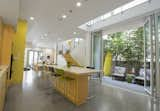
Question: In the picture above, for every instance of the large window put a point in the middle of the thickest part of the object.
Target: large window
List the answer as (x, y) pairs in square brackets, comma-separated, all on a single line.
[(127, 48)]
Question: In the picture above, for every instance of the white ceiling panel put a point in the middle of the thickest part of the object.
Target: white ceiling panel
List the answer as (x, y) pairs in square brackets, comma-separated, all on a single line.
[(47, 13)]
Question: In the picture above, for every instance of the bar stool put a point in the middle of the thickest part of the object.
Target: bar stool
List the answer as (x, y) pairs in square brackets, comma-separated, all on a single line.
[(92, 84)]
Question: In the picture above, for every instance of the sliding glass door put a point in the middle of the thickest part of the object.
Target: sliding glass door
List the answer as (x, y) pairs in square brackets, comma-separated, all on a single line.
[(157, 27), (149, 56), (152, 56), (97, 50)]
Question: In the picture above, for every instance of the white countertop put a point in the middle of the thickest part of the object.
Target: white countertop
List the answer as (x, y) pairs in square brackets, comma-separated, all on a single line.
[(75, 70)]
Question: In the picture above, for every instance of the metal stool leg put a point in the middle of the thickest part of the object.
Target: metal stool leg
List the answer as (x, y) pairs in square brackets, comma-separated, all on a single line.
[(91, 86)]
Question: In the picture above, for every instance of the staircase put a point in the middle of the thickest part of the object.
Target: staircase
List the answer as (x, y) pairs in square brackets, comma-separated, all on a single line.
[(70, 59)]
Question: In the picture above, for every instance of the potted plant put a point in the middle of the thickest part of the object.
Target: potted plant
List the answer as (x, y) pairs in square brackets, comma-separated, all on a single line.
[(129, 79)]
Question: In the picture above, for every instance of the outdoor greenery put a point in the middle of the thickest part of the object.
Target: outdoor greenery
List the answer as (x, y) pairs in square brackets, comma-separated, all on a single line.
[(126, 46)]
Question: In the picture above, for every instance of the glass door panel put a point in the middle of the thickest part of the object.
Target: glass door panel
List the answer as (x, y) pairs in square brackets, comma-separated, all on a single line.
[(152, 57), (148, 56), (158, 55), (97, 50), (96, 53), (158, 76)]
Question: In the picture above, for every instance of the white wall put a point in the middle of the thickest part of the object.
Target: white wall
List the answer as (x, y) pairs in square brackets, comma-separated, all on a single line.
[(82, 52), (79, 53), (61, 60)]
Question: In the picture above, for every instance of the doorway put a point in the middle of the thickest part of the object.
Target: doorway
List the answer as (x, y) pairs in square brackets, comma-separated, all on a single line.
[(33, 57)]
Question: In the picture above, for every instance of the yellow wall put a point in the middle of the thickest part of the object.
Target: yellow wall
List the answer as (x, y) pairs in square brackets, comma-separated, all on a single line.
[(18, 52), (108, 64), (6, 44)]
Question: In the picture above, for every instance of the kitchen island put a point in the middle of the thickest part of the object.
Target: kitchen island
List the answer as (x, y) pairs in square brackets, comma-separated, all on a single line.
[(73, 84)]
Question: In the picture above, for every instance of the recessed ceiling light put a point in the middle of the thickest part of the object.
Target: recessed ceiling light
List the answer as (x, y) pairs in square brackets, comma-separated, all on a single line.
[(31, 18), (78, 4), (74, 33), (64, 16), (45, 35)]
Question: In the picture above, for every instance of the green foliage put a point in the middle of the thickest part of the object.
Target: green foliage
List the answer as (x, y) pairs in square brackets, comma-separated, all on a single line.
[(128, 45), (129, 79), (114, 44), (134, 49)]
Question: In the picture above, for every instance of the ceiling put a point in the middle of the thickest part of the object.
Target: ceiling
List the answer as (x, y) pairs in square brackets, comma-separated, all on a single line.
[(47, 13), (9, 10)]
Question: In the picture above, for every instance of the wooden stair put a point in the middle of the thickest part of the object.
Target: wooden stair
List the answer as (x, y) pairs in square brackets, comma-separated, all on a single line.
[(70, 59)]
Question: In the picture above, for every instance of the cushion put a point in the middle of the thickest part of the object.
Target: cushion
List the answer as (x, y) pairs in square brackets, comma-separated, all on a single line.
[(119, 75), (139, 78), (119, 70)]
